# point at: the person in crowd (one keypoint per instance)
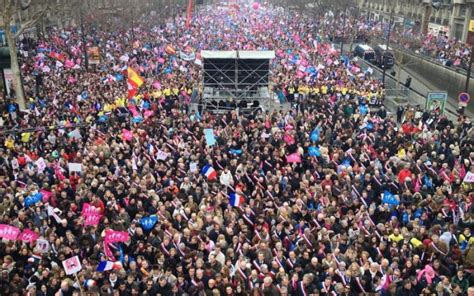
(332, 196)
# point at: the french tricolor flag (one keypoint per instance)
(209, 172)
(236, 199)
(105, 265)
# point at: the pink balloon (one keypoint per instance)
(256, 5)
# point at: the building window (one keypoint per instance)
(458, 32)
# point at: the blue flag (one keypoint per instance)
(33, 199)
(137, 119)
(418, 213)
(314, 151)
(315, 135)
(363, 109)
(84, 95)
(148, 222)
(390, 199)
(427, 181)
(346, 162)
(121, 256)
(235, 151)
(103, 118)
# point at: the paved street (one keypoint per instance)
(419, 85)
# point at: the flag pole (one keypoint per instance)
(79, 282)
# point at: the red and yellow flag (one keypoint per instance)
(189, 13)
(134, 82)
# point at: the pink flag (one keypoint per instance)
(148, 113)
(289, 140)
(127, 135)
(161, 60)
(108, 252)
(133, 109)
(112, 236)
(293, 158)
(88, 209)
(46, 195)
(9, 232)
(71, 80)
(69, 64)
(91, 215)
(57, 171)
(157, 84)
(92, 219)
(28, 236)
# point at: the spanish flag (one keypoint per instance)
(134, 82)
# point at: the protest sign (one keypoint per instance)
(15, 164)
(293, 158)
(9, 232)
(42, 246)
(469, 178)
(28, 235)
(112, 236)
(72, 265)
(161, 155)
(209, 136)
(187, 57)
(74, 167)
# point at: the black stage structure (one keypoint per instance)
(236, 79)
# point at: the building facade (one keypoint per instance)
(447, 17)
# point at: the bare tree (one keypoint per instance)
(9, 9)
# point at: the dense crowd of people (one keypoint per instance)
(332, 197)
(448, 51)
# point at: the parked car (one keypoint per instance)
(383, 57)
(365, 52)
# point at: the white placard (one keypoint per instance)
(42, 246)
(161, 155)
(72, 265)
(74, 167)
(15, 164)
(41, 165)
(469, 178)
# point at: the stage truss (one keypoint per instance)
(236, 79)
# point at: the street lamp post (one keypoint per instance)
(387, 44)
(343, 31)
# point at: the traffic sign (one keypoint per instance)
(464, 97)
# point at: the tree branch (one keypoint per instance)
(7, 14)
(31, 22)
(37, 16)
